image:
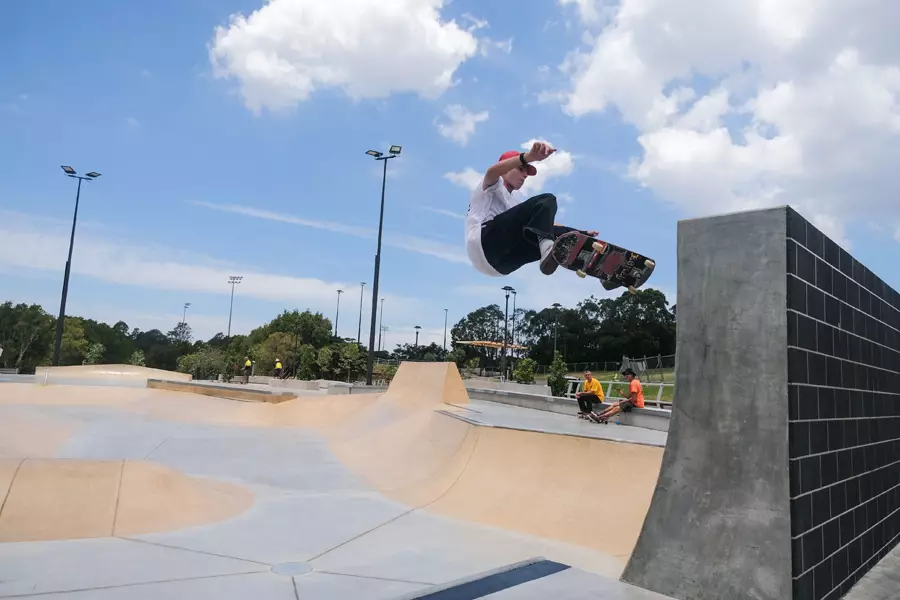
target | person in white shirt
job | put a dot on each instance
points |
(504, 233)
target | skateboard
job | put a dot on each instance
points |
(613, 265)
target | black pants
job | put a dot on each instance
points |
(586, 402)
(512, 239)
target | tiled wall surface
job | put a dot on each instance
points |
(844, 414)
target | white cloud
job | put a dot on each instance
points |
(149, 267)
(752, 103)
(284, 51)
(407, 242)
(488, 46)
(468, 178)
(445, 212)
(559, 164)
(142, 266)
(132, 122)
(461, 123)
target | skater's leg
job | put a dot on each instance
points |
(520, 235)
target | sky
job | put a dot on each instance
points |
(231, 136)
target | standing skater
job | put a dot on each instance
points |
(504, 233)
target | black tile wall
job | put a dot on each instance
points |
(844, 414)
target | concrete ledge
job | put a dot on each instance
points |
(222, 391)
(509, 386)
(649, 418)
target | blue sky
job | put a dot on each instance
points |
(243, 154)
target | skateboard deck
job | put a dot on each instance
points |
(613, 265)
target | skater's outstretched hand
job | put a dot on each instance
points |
(539, 151)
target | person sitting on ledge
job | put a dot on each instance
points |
(635, 398)
(592, 392)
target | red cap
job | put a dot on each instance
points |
(510, 153)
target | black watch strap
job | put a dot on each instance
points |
(522, 158)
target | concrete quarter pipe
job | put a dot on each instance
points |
(585, 491)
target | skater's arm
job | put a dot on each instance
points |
(539, 151)
(496, 170)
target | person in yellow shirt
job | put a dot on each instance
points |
(592, 392)
(278, 368)
(248, 369)
(635, 398)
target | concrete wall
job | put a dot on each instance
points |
(844, 410)
(719, 524)
(781, 477)
(229, 391)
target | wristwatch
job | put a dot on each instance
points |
(522, 158)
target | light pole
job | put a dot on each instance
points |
(233, 280)
(514, 319)
(380, 327)
(445, 330)
(393, 152)
(506, 289)
(417, 328)
(556, 306)
(338, 313)
(184, 314)
(362, 285)
(60, 323)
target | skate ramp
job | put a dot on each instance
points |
(58, 499)
(112, 373)
(590, 492)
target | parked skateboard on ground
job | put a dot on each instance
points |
(613, 265)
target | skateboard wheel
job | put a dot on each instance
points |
(581, 273)
(598, 246)
(632, 290)
(649, 263)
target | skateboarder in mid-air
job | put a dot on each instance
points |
(504, 233)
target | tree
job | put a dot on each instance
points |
(327, 361)
(26, 336)
(94, 354)
(483, 324)
(557, 379)
(181, 334)
(74, 345)
(351, 359)
(137, 359)
(118, 345)
(278, 345)
(308, 366)
(309, 328)
(206, 363)
(524, 371)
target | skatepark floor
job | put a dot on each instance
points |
(111, 492)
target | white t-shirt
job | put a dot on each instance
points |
(484, 205)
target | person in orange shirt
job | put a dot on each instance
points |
(593, 392)
(635, 398)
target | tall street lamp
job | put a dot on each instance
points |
(445, 330)
(338, 313)
(514, 320)
(506, 289)
(233, 280)
(362, 285)
(417, 328)
(380, 324)
(184, 314)
(556, 306)
(60, 323)
(393, 152)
